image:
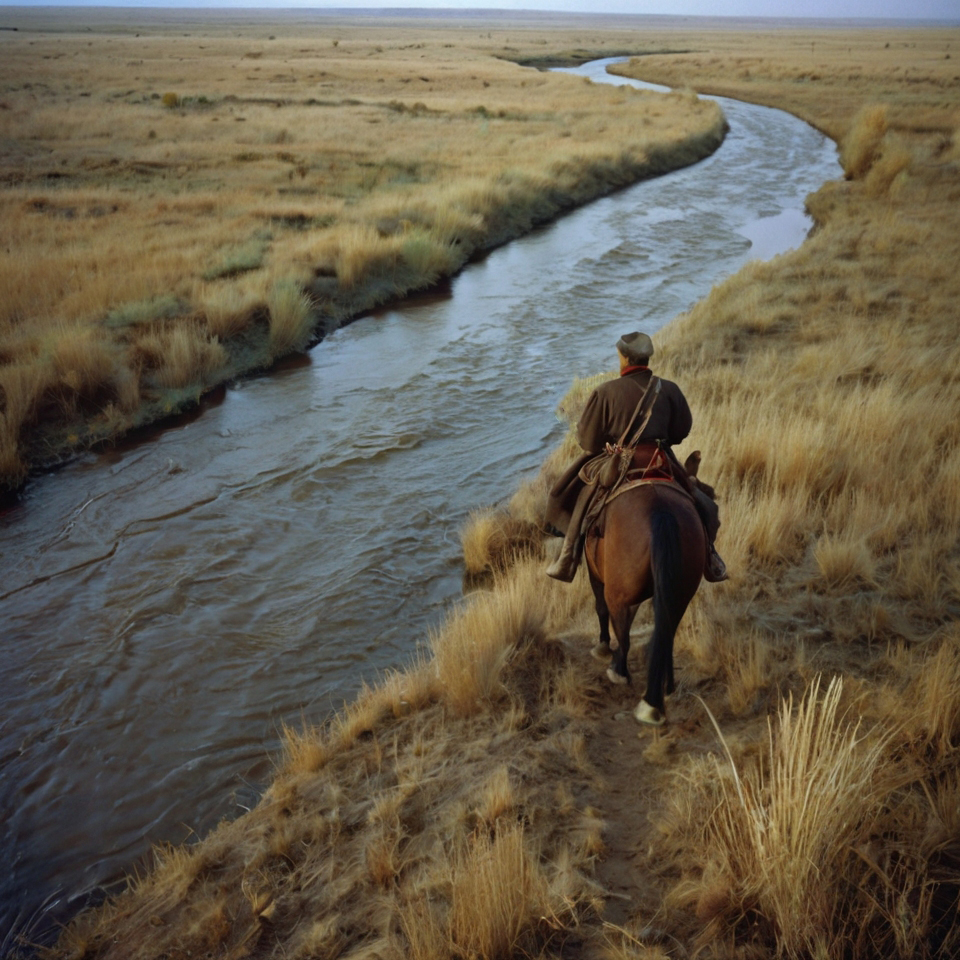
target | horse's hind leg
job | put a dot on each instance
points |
(602, 650)
(622, 617)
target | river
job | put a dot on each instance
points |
(168, 605)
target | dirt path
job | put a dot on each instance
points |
(635, 764)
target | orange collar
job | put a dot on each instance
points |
(628, 370)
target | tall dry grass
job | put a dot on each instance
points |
(499, 892)
(861, 146)
(780, 842)
(831, 841)
(493, 541)
(291, 318)
(471, 652)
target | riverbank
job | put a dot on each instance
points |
(496, 799)
(280, 178)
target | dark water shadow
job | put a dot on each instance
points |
(111, 451)
(440, 292)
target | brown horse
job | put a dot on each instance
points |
(653, 545)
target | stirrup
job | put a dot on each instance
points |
(715, 570)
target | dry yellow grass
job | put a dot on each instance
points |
(493, 541)
(186, 182)
(825, 76)
(825, 823)
(470, 653)
(811, 801)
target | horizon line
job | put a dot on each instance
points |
(393, 7)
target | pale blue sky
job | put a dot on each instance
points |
(945, 10)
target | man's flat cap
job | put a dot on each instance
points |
(635, 346)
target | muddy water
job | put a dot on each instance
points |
(165, 608)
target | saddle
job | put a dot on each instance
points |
(650, 462)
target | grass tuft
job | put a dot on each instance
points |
(472, 648)
(493, 540)
(291, 318)
(498, 894)
(182, 356)
(861, 146)
(812, 800)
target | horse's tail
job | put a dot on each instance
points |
(667, 561)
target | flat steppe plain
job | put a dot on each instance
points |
(186, 199)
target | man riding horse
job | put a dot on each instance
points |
(657, 411)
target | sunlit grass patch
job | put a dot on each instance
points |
(494, 540)
(472, 648)
(242, 259)
(844, 562)
(498, 893)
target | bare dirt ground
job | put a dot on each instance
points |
(634, 766)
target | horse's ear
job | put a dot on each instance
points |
(692, 464)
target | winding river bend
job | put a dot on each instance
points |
(167, 606)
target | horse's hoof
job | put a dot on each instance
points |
(601, 651)
(651, 716)
(615, 677)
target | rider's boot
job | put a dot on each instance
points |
(564, 568)
(716, 569)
